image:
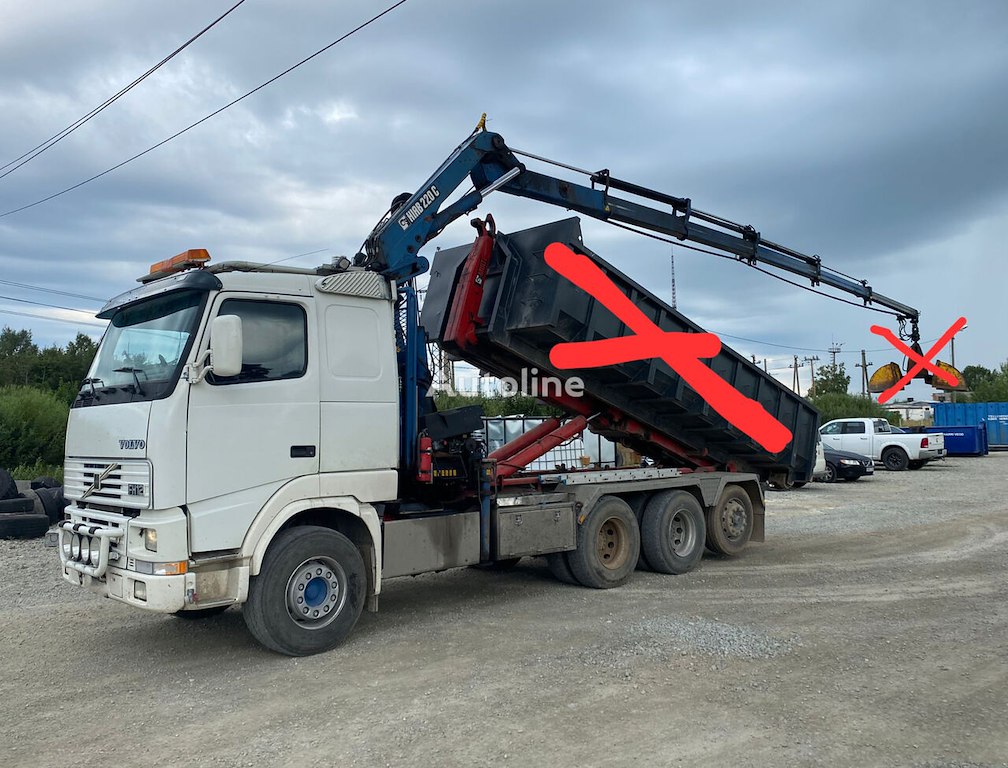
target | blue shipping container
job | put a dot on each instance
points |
(993, 415)
(963, 441)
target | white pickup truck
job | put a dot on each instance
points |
(875, 438)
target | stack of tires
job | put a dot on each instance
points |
(27, 513)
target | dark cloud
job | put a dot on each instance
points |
(869, 134)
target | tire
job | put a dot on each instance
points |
(673, 533)
(8, 488)
(608, 545)
(730, 522)
(557, 562)
(296, 580)
(831, 473)
(45, 482)
(19, 505)
(53, 503)
(201, 613)
(916, 464)
(14, 526)
(895, 459)
(638, 502)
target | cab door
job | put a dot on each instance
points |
(855, 438)
(831, 435)
(250, 434)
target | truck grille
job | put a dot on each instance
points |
(108, 481)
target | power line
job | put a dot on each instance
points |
(51, 290)
(52, 319)
(296, 256)
(207, 117)
(56, 138)
(51, 306)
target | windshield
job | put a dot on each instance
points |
(143, 350)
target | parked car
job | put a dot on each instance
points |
(875, 438)
(845, 465)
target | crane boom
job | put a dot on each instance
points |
(489, 164)
(485, 161)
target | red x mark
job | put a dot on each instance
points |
(922, 362)
(682, 351)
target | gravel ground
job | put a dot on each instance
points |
(869, 629)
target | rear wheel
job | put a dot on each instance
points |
(730, 522)
(308, 594)
(895, 459)
(673, 532)
(608, 545)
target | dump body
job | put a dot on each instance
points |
(527, 308)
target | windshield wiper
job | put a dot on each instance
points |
(136, 378)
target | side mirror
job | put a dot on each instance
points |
(226, 345)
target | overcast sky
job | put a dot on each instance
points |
(872, 134)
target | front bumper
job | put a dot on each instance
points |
(164, 594)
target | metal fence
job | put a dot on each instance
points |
(581, 451)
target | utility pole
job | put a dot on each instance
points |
(811, 362)
(796, 385)
(672, 265)
(863, 365)
(765, 368)
(834, 350)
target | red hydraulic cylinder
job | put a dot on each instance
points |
(541, 446)
(508, 450)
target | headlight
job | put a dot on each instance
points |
(95, 551)
(850, 462)
(75, 546)
(150, 539)
(65, 541)
(85, 549)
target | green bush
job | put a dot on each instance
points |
(38, 469)
(836, 405)
(497, 405)
(32, 427)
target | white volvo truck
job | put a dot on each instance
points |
(260, 435)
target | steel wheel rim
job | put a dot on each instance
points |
(682, 533)
(733, 519)
(316, 592)
(830, 474)
(613, 544)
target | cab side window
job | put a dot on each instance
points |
(853, 427)
(274, 341)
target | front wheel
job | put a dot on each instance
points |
(831, 473)
(309, 592)
(730, 521)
